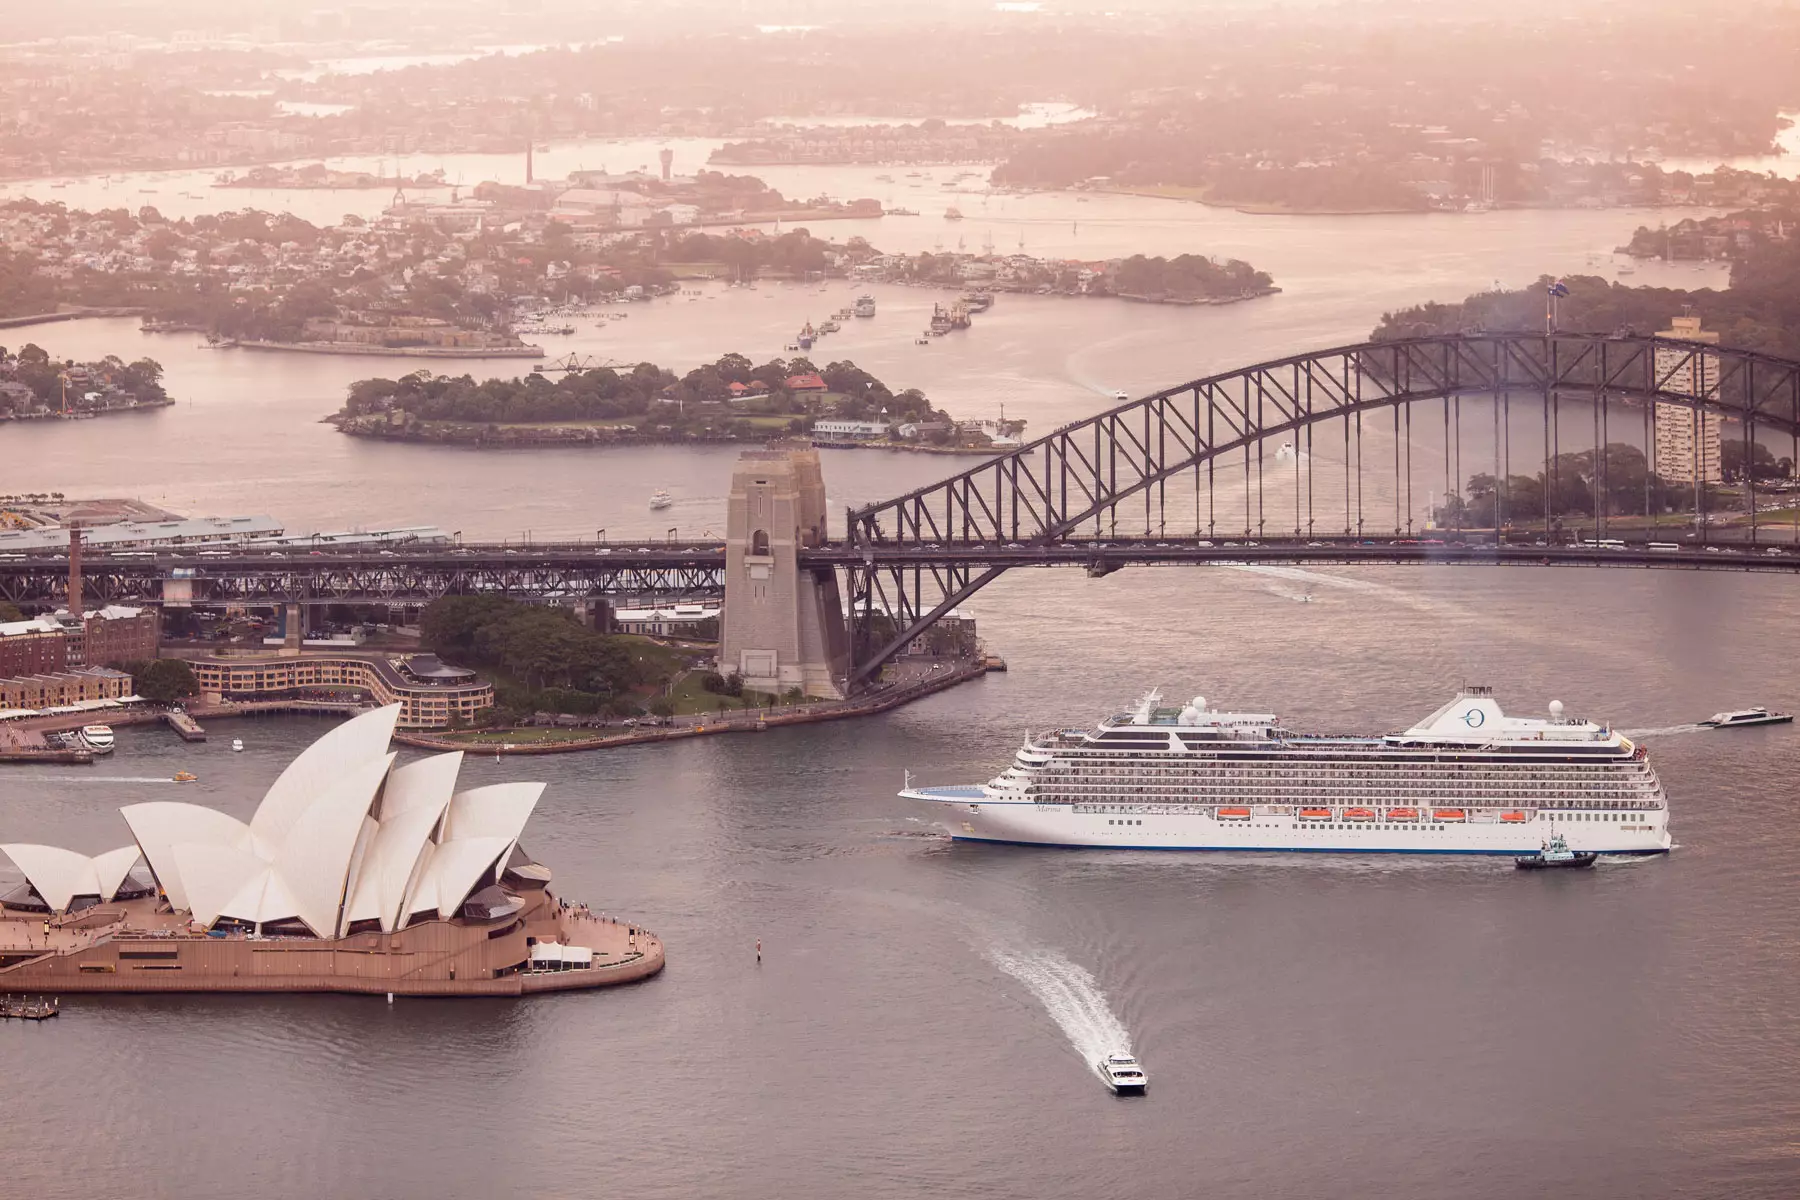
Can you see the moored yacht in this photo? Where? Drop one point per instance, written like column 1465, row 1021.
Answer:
column 1468, row 779
column 97, row 738
column 1123, row 1074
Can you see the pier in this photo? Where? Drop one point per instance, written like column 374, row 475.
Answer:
column 12, row 1009
column 189, row 729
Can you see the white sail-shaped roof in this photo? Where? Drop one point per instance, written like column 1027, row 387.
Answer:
column 498, row 810
column 264, row 897
column 454, row 870
column 58, row 875
column 112, row 867
column 388, row 865
column 319, row 767
column 162, row 824
column 342, row 836
column 428, row 781
column 215, row 876
column 314, row 860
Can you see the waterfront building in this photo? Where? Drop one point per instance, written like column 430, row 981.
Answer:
column 1687, row 441
column 849, row 431
column 32, row 647
column 427, row 697
column 112, row 636
column 353, row 875
column 134, row 535
column 696, row 621
column 58, row 689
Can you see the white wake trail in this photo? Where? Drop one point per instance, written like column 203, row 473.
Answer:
column 1665, row 731
column 1071, row 997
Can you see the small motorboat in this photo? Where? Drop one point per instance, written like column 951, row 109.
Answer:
column 660, row 499
column 1556, row 853
column 185, row 777
column 1123, row 1074
column 1747, row 716
column 237, row 745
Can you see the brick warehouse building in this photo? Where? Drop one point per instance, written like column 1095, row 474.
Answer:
column 32, row 648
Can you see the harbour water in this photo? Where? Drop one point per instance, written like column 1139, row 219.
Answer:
column 246, row 436
column 1314, row 1025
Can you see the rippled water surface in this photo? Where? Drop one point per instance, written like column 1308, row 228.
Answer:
column 1313, row 1025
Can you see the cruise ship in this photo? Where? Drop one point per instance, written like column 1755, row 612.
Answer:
column 1468, row 779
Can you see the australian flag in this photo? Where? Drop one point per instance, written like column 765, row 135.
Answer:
column 1559, row 289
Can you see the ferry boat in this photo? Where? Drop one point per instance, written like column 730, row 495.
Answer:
column 1123, row 1074
column 1747, row 716
column 865, row 306
column 1468, row 779
column 97, row 738
column 660, row 499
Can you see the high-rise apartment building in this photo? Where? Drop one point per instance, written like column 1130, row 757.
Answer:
column 1687, row 441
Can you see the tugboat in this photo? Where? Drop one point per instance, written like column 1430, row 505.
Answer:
column 1556, row 853
column 1123, row 1074
column 1747, row 716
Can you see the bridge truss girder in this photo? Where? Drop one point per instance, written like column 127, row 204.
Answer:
column 1111, row 473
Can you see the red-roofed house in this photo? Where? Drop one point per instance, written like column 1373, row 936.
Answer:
column 755, row 387
column 806, row 383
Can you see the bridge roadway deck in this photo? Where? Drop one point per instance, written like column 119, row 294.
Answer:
column 576, row 572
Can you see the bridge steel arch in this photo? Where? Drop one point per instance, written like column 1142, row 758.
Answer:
column 1090, row 471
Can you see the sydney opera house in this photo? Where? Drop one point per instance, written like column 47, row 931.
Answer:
column 353, row 875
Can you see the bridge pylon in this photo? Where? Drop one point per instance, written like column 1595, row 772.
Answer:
column 783, row 626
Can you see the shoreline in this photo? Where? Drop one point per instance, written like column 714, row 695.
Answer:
column 72, row 313
column 733, row 722
column 600, row 437
column 366, row 351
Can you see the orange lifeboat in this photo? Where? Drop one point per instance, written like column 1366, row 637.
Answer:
column 1359, row 814
column 1402, row 814
column 1449, row 814
column 1234, row 814
column 1315, row 814
column 1515, row 817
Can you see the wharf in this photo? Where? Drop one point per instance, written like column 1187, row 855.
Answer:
column 27, row 1010
column 14, row 754
column 189, row 729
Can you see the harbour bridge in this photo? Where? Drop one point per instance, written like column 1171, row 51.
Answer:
column 1368, row 453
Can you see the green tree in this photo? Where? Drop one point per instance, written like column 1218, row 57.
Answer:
column 164, row 680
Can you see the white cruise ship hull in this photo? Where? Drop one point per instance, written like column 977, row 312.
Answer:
column 970, row 813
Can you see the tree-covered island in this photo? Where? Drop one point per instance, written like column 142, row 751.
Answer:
column 731, row 399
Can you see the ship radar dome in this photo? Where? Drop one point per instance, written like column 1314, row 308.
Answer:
column 1200, row 703
column 1190, row 715
column 1556, row 710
